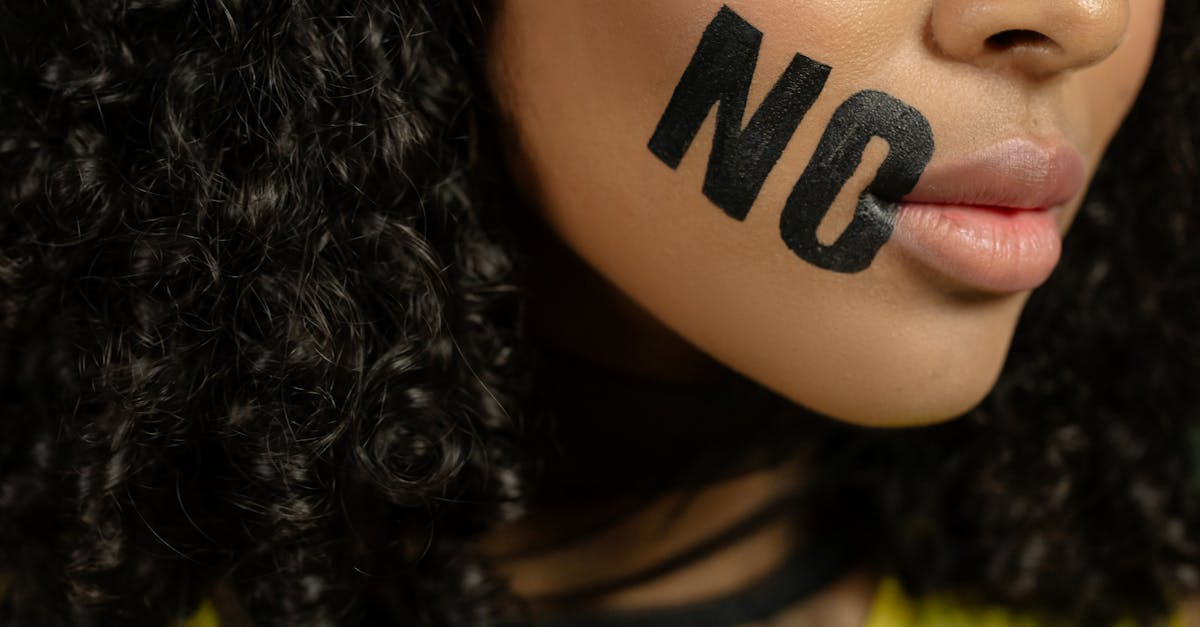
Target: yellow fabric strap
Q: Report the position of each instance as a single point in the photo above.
(894, 608)
(205, 616)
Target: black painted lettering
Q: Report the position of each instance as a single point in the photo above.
(865, 115)
(719, 74)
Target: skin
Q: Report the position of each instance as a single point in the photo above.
(633, 268)
(892, 345)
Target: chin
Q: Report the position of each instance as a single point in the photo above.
(910, 398)
(891, 407)
(915, 380)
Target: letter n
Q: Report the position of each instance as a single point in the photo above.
(719, 74)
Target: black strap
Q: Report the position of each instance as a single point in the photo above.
(807, 572)
(772, 512)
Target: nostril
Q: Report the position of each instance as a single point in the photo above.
(1017, 38)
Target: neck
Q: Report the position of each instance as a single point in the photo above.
(624, 393)
(638, 537)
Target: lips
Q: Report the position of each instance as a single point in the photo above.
(989, 221)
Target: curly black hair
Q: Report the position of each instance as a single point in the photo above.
(255, 328)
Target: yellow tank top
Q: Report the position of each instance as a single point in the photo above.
(890, 608)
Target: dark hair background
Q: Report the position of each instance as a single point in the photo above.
(253, 327)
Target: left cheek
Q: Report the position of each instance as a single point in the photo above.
(1100, 101)
(1103, 95)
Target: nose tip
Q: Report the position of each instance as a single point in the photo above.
(1035, 37)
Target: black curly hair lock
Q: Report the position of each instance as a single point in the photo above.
(254, 328)
(251, 322)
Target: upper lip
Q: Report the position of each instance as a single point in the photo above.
(1011, 174)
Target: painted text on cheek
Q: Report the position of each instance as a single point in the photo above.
(720, 74)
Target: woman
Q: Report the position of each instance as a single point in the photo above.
(588, 313)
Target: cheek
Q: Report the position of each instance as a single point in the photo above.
(1107, 91)
(585, 85)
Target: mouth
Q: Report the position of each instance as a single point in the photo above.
(990, 220)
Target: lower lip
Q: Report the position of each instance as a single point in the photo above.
(988, 249)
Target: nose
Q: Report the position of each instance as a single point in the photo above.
(1038, 38)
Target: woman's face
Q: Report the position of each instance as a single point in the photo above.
(671, 144)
